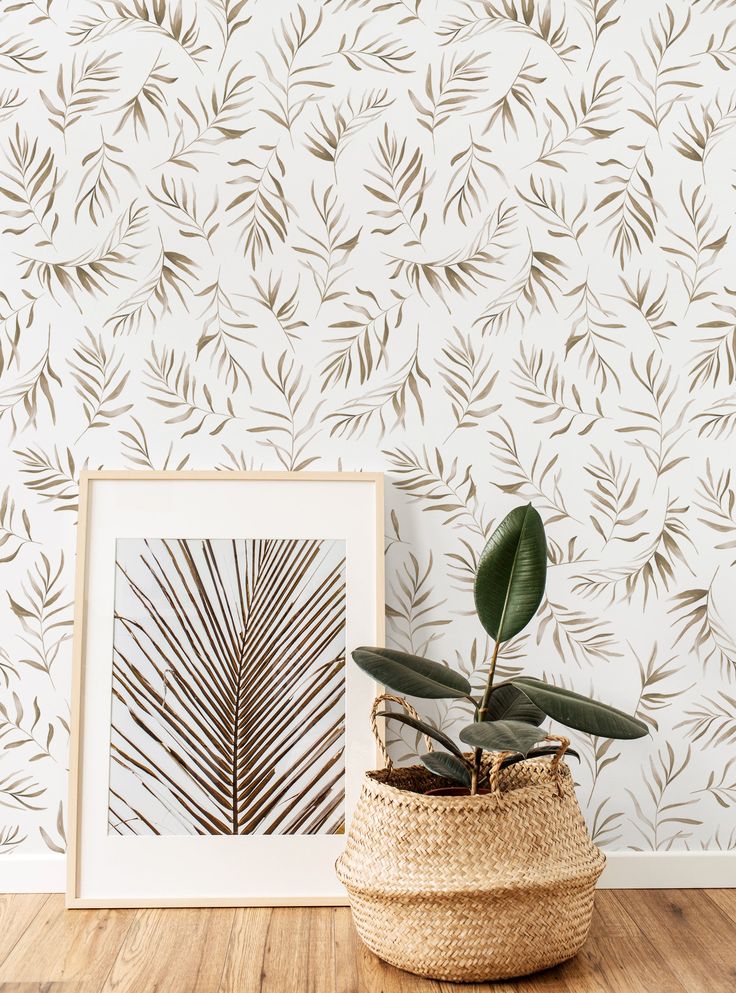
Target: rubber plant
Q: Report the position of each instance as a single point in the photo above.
(509, 586)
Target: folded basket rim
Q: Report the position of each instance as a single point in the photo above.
(378, 782)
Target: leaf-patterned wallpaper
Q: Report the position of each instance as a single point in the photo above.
(484, 245)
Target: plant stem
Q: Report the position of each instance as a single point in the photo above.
(480, 715)
(489, 684)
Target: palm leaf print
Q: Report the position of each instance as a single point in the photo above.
(228, 688)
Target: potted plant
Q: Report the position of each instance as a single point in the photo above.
(477, 864)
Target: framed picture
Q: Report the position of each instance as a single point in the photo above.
(219, 737)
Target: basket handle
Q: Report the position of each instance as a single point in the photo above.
(494, 775)
(554, 767)
(494, 772)
(381, 698)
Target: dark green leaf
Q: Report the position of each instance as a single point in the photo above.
(449, 766)
(425, 729)
(410, 674)
(580, 712)
(509, 582)
(501, 736)
(509, 703)
(537, 753)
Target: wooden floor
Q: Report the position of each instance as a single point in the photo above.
(642, 941)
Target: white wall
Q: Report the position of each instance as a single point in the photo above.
(491, 255)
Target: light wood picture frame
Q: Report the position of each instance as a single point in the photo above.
(192, 589)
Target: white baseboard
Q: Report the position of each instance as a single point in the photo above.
(668, 870)
(624, 870)
(33, 873)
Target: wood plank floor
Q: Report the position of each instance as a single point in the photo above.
(642, 941)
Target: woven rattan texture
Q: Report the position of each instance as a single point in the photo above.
(471, 888)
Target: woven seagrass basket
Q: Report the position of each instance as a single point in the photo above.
(471, 888)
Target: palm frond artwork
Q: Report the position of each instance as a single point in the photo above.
(228, 691)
